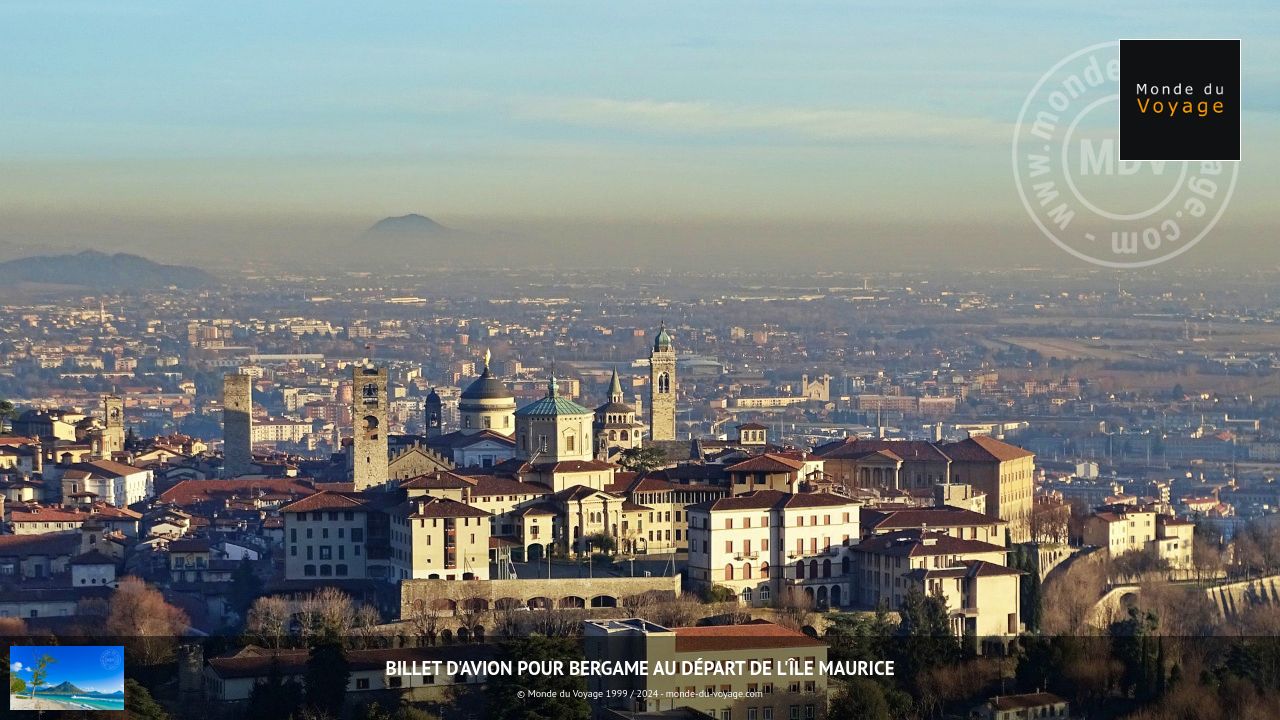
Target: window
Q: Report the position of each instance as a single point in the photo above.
(362, 683)
(309, 570)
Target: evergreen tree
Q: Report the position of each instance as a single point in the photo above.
(140, 703)
(1133, 644)
(861, 699)
(925, 637)
(328, 673)
(510, 698)
(274, 698)
(245, 587)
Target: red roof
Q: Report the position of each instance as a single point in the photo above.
(983, 448)
(323, 501)
(756, 635)
(191, 492)
(444, 508)
(918, 543)
(767, 463)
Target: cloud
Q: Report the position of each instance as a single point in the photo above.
(16, 667)
(817, 124)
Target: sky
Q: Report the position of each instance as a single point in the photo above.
(82, 666)
(145, 125)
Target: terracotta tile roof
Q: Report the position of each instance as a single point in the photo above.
(53, 544)
(105, 468)
(770, 499)
(256, 662)
(439, 480)
(46, 514)
(443, 508)
(767, 463)
(982, 448)
(485, 485)
(756, 635)
(853, 448)
(191, 492)
(921, 543)
(895, 519)
(571, 466)
(324, 501)
(187, 545)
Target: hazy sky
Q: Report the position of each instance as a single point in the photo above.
(283, 119)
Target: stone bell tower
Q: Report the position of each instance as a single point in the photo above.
(369, 454)
(662, 387)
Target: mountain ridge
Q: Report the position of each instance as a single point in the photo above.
(94, 269)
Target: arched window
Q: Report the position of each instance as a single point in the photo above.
(826, 568)
(813, 568)
(625, 435)
(746, 571)
(764, 570)
(799, 569)
(728, 572)
(370, 391)
(664, 383)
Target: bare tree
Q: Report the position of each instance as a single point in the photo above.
(327, 612)
(269, 618)
(1070, 596)
(139, 611)
(424, 618)
(469, 612)
(795, 609)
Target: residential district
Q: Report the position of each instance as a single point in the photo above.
(432, 484)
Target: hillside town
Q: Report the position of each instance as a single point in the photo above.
(672, 499)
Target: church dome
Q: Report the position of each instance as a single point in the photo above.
(552, 405)
(486, 387)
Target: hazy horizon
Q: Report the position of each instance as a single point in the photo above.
(573, 133)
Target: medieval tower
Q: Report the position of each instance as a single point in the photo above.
(113, 425)
(237, 425)
(662, 388)
(369, 452)
(434, 411)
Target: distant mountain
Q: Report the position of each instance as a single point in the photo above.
(99, 270)
(411, 224)
(95, 693)
(418, 241)
(62, 688)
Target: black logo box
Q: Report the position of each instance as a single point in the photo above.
(1187, 66)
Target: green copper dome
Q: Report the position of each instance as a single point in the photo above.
(552, 405)
(663, 340)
